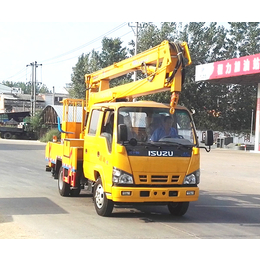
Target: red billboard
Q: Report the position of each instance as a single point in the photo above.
(228, 68)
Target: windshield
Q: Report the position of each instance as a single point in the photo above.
(157, 125)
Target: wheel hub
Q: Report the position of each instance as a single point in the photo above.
(99, 196)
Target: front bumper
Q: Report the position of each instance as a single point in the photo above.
(153, 194)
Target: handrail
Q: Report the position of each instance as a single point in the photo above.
(59, 127)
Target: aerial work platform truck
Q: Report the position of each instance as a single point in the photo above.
(126, 151)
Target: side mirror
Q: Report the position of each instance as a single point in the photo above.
(209, 138)
(122, 133)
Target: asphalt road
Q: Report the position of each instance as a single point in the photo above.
(31, 207)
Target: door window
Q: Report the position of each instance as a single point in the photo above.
(94, 122)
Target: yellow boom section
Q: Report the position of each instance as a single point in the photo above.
(163, 67)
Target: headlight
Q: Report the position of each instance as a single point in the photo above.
(121, 177)
(193, 178)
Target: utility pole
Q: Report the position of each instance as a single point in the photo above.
(34, 66)
(252, 119)
(35, 83)
(136, 31)
(53, 95)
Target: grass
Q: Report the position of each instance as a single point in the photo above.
(49, 135)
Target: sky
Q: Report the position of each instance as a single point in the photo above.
(54, 45)
(55, 33)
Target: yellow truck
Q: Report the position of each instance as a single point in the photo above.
(127, 151)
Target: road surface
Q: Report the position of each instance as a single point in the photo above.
(31, 207)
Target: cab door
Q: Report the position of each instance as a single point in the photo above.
(91, 148)
(98, 145)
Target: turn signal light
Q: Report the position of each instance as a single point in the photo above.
(126, 193)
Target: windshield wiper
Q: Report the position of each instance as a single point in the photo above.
(179, 145)
(145, 144)
(152, 144)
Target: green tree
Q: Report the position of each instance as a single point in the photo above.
(36, 121)
(112, 51)
(78, 88)
(243, 40)
(42, 88)
(95, 62)
(206, 44)
(223, 107)
(150, 35)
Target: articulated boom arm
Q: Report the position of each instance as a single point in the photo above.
(163, 67)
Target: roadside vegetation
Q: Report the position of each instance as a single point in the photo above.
(44, 134)
(49, 135)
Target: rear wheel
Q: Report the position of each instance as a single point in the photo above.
(178, 208)
(103, 206)
(74, 192)
(64, 188)
(7, 135)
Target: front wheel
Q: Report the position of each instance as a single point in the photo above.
(103, 206)
(64, 188)
(178, 208)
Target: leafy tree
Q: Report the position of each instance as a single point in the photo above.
(206, 44)
(42, 89)
(218, 106)
(112, 51)
(95, 62)
(78, 77)
(170, 31)
(150, 35)
(243, 40)
(35, 121)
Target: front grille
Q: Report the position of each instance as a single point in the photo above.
(175, 178)
(159, 178)
(143, 178)
(162, 179)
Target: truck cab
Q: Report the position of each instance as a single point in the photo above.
(132, 167)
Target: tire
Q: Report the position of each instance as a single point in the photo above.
(63, 187)
(103, 206)
(7, 135)
(75, 192)
(178, 208)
